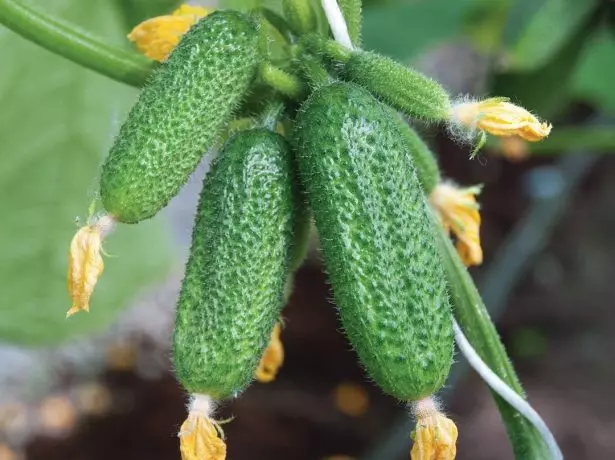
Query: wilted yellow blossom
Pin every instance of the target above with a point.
(435, 436)
(499, 117)
(272, 359)
(85, 263)
(459, 212)
(157, 37)
(199, 436)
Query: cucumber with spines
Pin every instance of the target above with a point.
(179, 115)
(377, 239)
(239, 262)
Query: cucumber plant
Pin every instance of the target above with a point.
(308, 126)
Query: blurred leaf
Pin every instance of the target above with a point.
(136, 11)
(484, 22)
(405, 29)
(520, 14)
(546, 90)
(594, 78)
(56, 123)
(547, 32)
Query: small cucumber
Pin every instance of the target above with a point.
(233, 288)
(377, 239)
(179, 115)
(405, 89)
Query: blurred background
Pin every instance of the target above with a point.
(99, 385)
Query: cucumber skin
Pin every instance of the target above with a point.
(179, 115)
(233, 288)
(376, 239)
(403, 88)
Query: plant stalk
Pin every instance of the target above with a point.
(68, 40)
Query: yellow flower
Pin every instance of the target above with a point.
(499, 117)
(85, 263)
(272, 359)
(435, 436)
(199, 436)
(459, 212)
(157, 37)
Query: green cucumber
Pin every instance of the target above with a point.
(233, 289)
(405, 89)
(179, 115)
(377, 239)
(300, 15)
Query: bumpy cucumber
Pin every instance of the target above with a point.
(376, 239)
(179, 115)
(405, 89)
(233, 288)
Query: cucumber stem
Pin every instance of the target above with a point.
(68, 40)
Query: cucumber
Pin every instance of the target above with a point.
(233, 288)
(377, 239)
(300, 15)
(405, 89)
(179, 115)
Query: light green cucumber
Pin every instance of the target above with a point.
(179, 115)
(407, 90)
(233, 288)
(377, 239)
(300, 15)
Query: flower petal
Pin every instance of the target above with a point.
(499, 117)
(272, 359)
(459, 213)
(85, 265)
(157, 37)
(199, 439)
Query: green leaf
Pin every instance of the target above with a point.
(546, 90)
(549, 29)
(56, 124)
(594, 78)
(403, 30)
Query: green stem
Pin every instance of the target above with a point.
(68, 40)
(351, 9)
(473, 317)
(326, 47)
(282, 81)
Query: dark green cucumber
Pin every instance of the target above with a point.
(377, 239)
(233, 288)
(179, 115)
